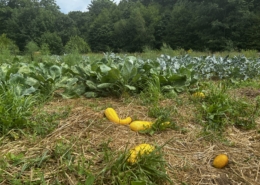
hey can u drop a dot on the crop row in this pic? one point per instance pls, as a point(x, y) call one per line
point(114, 75)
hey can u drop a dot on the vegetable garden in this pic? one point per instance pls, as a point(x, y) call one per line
point(53, 129)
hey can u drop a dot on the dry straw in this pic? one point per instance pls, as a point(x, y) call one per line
point(189, 156)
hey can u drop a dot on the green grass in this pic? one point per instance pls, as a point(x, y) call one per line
point(14, 110)
point(44, 122)
point(153, 54)
point(149, 170)
point(218, 110)
point(24, 117)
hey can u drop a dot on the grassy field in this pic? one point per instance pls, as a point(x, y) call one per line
point(70, 141)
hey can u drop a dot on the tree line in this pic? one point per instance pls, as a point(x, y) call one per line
point(130, 25)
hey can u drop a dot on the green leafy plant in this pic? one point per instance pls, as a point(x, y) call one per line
point(24, 164)
point(219, 110)
point(216, 108)
point(77, 44)
point(15, 110)
point(152, 94)
point(149, 170)
point(31, 47)
point(245, 113)
point(44, 122)
point(7, 46)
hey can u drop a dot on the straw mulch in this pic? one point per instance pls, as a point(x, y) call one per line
point(188, 154)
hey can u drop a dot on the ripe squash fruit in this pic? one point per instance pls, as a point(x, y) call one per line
point(138, 151)
point(140, 125)
point(198, 95)
point(112, 116)
point(220, 161)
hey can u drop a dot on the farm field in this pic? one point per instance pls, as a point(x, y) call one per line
point(54, 131)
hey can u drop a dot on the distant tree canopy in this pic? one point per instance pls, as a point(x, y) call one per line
point(132, 25)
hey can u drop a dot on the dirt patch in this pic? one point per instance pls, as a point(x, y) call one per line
point(249, 92)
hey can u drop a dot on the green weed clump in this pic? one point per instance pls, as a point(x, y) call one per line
point(218, 110)
point(148, 170)
point(14, 110)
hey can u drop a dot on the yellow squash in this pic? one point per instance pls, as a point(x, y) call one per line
point(125, 121)
point(139, 151)
point(112, 116)
point(198, 95)
point(220, 161)
point(165, 124)
point(140, 125)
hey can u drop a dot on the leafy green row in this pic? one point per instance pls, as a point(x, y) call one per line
point(114, 75)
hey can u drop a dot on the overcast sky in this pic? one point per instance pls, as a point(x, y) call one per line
point(74, 5)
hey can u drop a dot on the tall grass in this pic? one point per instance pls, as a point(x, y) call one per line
point(14, 110)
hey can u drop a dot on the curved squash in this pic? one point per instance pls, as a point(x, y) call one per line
point(112, 116)
point(125, 121)
point(140, 125)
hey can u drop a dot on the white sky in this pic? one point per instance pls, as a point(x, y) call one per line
point(74, 5)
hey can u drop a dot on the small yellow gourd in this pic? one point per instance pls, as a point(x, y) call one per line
point(112, 116)
point(139, 151)
point(220, 161)
point(140, 125)
point(166, 124)
point(199, 95)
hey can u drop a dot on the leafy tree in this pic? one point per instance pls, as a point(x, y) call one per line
point(82, 22)
point(45, 50)
point(97, 6)
point(5, 13)
point(137, 34)
point(77, 44)
point(252, 34)
point(49, 5)
point(101, 25)
point(134, 24)
point(27, 20)
point(180, 31)
point(7, 44)
point(216, 25)
point(65, 27)
point(100, 32)
point(30, 48)
point(54, 42)
point(131, 34)
point(151, 16)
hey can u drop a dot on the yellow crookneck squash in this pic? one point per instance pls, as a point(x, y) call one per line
point(112, 116)
point(140, 125)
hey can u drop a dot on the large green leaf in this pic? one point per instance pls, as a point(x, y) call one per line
point(91, 85)
point(132, 88)
point(17, 79)
point(66, 82)
point(104, 85)
point(90, 94)
point(177, 80)
point(55, 71)
point(112, 76)
point(32, 82)
point(73, 92)
point(104, 68)
point(128, 71)
point(24, 69)
point(28, 91)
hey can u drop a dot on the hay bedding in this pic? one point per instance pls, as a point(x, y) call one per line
point(189, 157)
